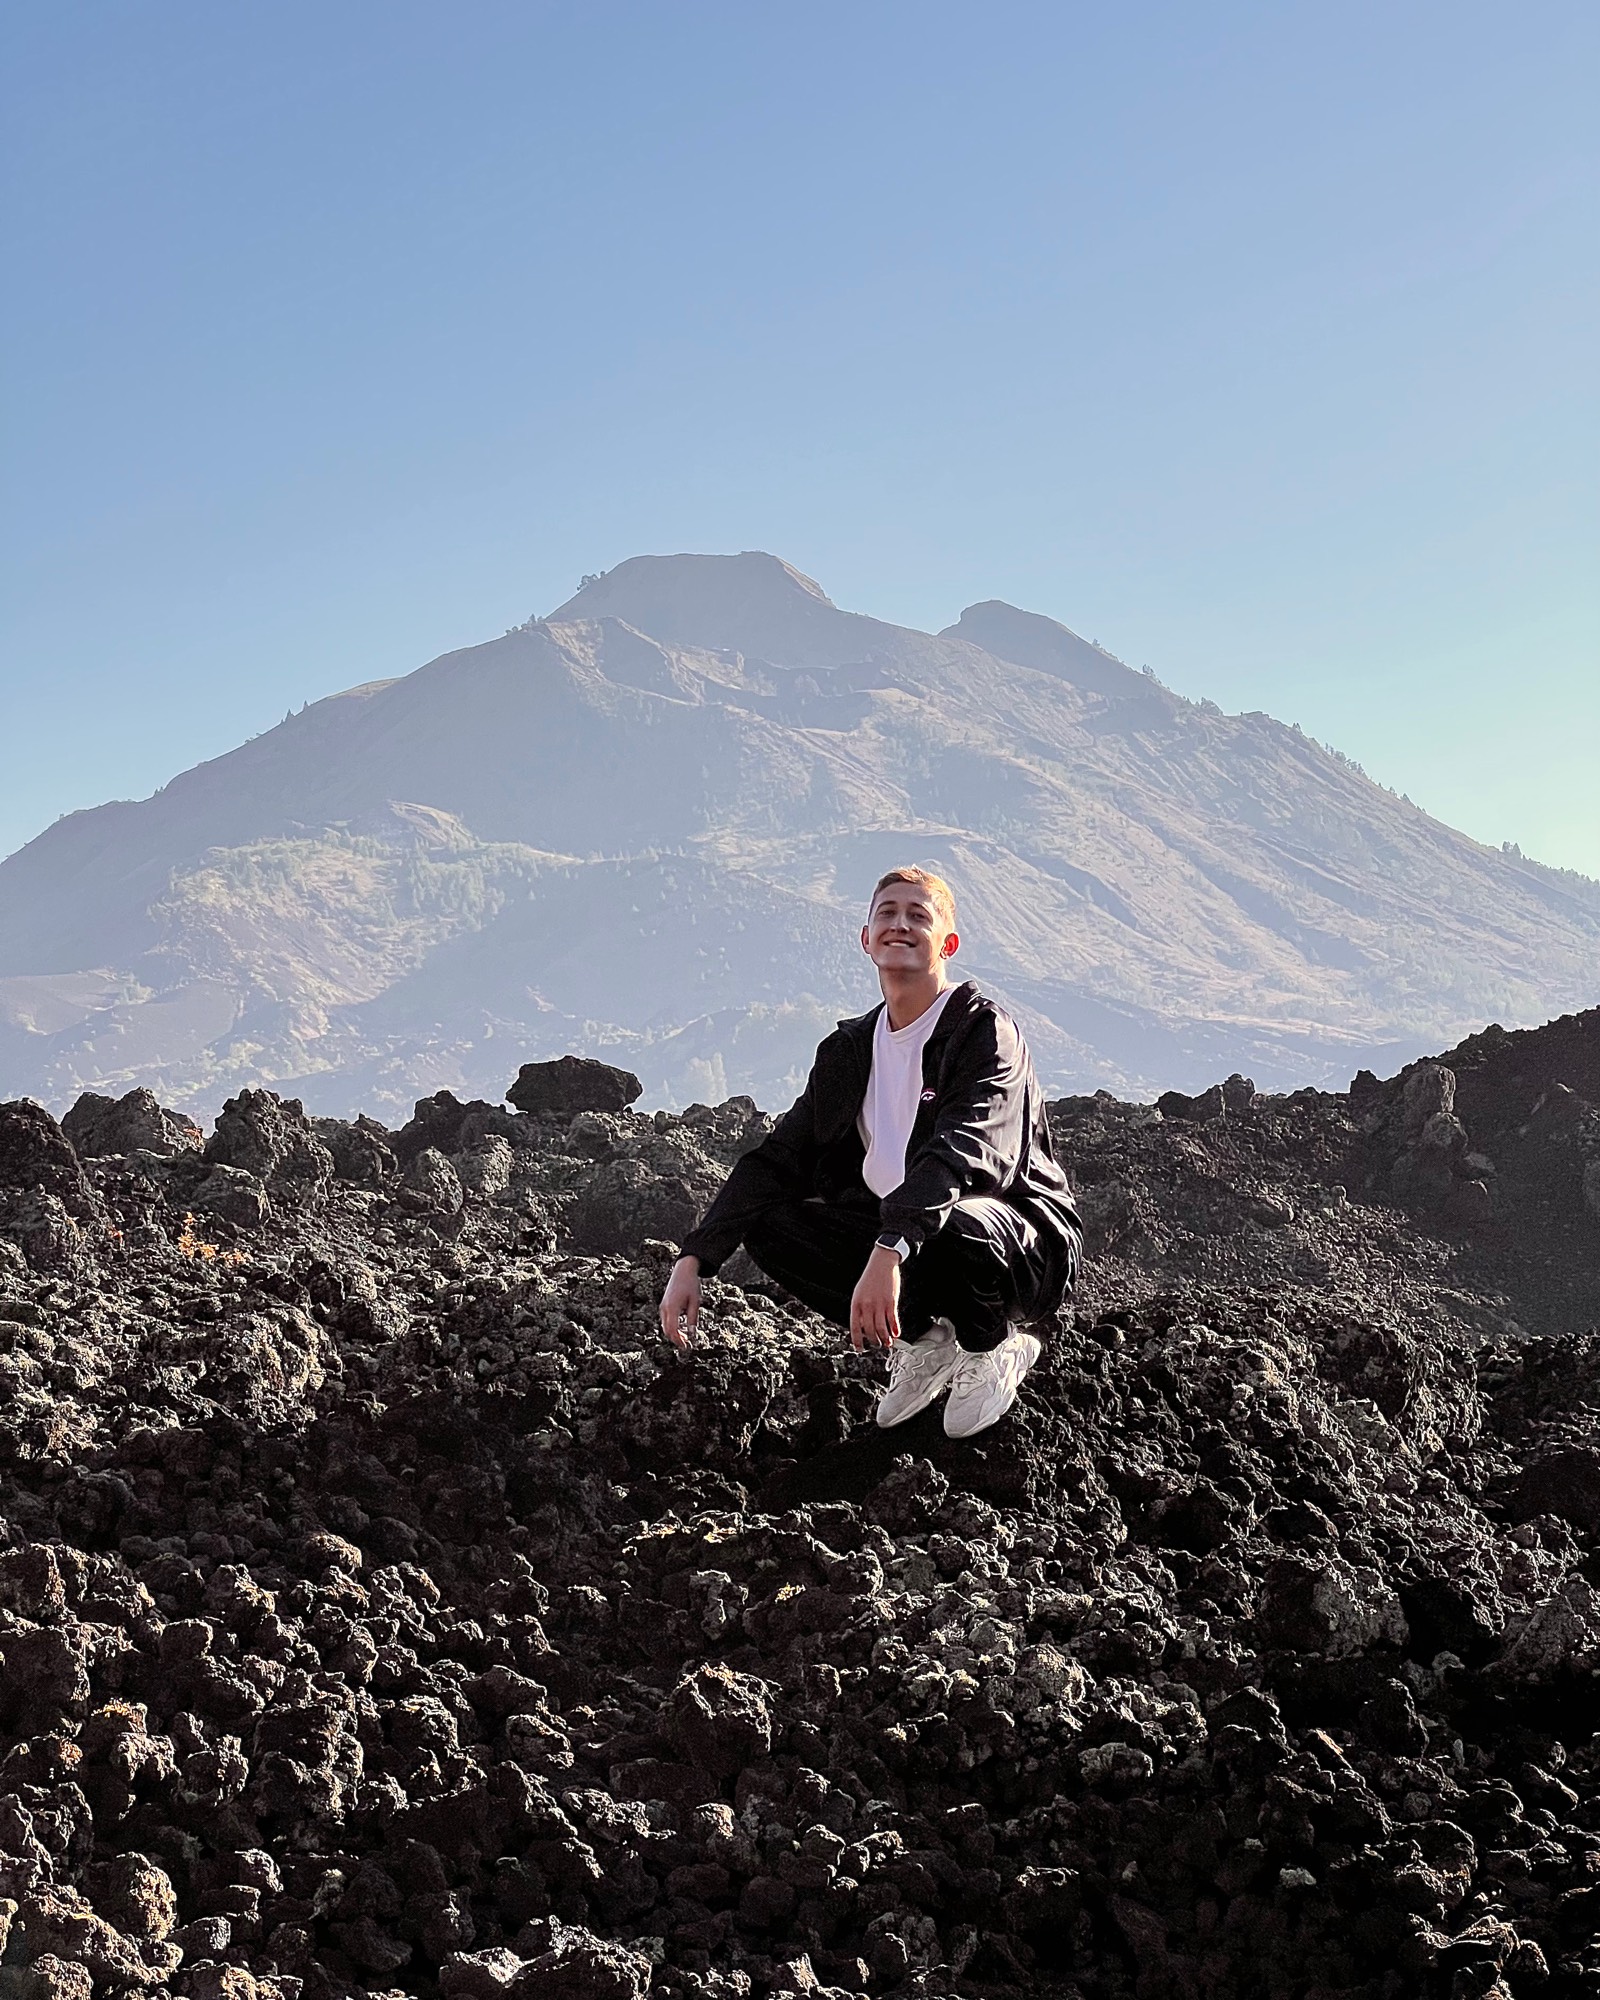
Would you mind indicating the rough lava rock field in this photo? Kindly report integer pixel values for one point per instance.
(385, 1609)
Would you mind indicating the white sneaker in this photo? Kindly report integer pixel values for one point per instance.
(918, 1373)
(984, 1386)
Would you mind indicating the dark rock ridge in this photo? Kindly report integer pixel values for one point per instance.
(136, 1123)
(573, 1083)
(385, 1610)
(644, 826)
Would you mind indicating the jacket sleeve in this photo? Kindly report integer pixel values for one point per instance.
(781, 1168)
(976, 1142)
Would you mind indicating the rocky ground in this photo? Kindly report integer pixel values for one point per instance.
(384, 1609)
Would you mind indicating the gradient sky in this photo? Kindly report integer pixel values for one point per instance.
(1257, 342)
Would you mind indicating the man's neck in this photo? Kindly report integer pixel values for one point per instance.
(908, 997)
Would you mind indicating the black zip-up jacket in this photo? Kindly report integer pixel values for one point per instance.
(980, 1130)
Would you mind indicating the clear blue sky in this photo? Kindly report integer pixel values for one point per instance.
(1257, 342)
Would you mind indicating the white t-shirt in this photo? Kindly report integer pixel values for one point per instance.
(894, 1092)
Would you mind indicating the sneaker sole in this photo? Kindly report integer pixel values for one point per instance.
(988, 1423)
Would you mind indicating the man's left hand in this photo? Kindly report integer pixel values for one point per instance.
(875, 1302)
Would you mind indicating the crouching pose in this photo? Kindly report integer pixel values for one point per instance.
(911, 1194)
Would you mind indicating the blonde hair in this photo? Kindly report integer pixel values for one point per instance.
(934, 887)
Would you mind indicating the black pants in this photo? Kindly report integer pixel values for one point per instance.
(989, 1264)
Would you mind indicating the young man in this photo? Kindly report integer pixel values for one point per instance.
(911, 1194)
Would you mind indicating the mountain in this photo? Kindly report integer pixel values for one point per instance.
(644, 827)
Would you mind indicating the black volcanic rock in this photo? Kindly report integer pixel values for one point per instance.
(1497, 1141)
(234, 1194)
(1564, 1481)
(362, 1151)
(134, 1123)
(36, 1156)
(270, 1137)
(618, 1204)
(430, 1182)
(571, 1084)
(45, 1200)
(385, 1609)
(444, 1123)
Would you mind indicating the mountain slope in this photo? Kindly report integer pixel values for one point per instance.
(646, 824)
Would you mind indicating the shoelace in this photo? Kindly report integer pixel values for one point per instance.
(927, 1356)
(909, 1357)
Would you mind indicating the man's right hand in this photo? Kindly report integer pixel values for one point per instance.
(680, 1302)
(875, 1302)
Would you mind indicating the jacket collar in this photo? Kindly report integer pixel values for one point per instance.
(859, 1027)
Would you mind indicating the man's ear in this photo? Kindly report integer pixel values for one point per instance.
(864, 945)
(951, 945)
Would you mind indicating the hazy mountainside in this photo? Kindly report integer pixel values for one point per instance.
(644, 826)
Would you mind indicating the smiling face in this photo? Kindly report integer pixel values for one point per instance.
(906, 932)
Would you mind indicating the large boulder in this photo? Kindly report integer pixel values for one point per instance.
(446, 1124)
(1561, 1639)
(263, 1367)
(430, 1183)
(485, 1169)
(104, 1127)
(581, 1966)
(1327, 1607)
(138, 1897)
(719, 1719)
(36, 1156)
(44, 1197)
(271, 1137)
(47, 1231)
(571, 1084)
(618, 1204)
(480, 1975)
(363, 1150)
(238, 1197)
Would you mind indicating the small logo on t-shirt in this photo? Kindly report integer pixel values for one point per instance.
(928, 1096)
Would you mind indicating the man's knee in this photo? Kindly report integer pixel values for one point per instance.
(992, 1246)
(982, 1227)
(964, 1252)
